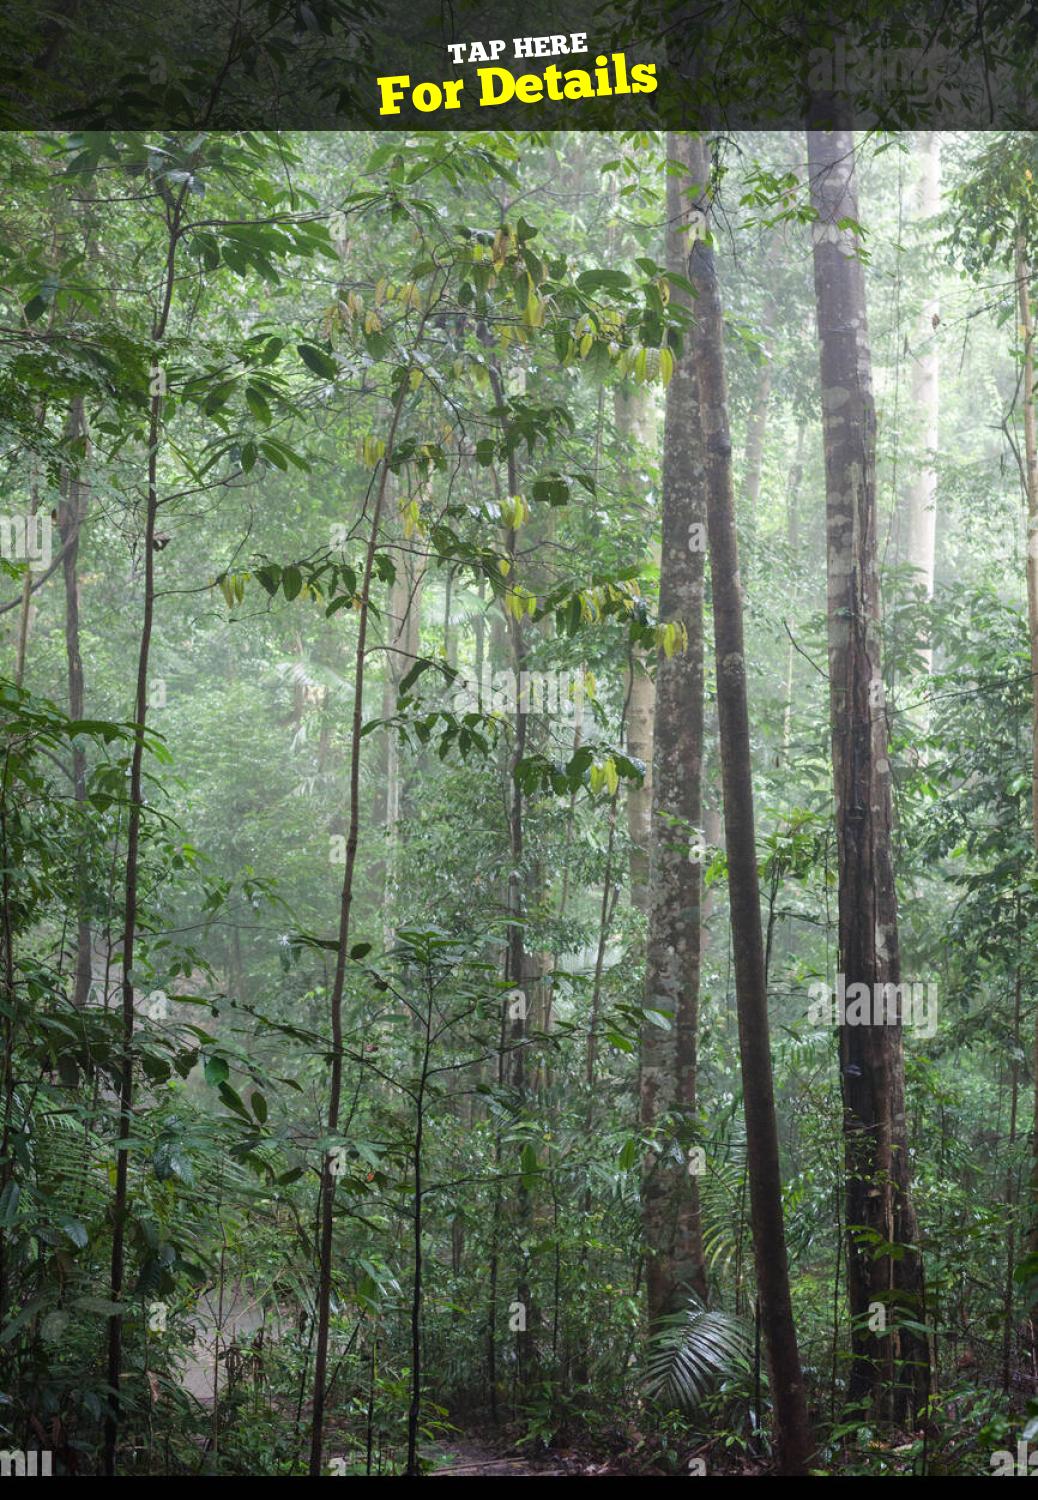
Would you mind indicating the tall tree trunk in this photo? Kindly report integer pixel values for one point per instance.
(921, 517)
(402, 639)
(635, 417)
(327, 1192)
(25, 606)
(796, 474)
(133, 835)
(878, 1200)
(71, 511)
(520, 969)
(670, 1200)
(1027, 395)
(793, 1442)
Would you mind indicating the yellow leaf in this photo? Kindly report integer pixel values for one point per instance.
(533, 317)
(411, 517)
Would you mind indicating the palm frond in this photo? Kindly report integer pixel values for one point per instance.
(690, 1351)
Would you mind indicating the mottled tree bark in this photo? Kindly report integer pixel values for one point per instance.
(670, 1205)
(878, 1200)
(792, 1439)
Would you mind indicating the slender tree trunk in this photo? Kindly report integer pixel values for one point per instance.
(921, 537)
(25, 605)
(520, 972)
(415, 1409)
(70, 520)
(796, 474)
(636, 429)
(670, 1204)
(793, 1441)
(878, 1198)
(1027, 396)
(1011, 1195)
(402, 639)
(327, 1215)
(133, 834)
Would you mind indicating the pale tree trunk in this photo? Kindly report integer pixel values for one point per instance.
(758, 423)
(25, 607)
(670, 1201)
(771, 316)
(1027, 395)
(792, 1439)
(635, 416)
(878, 1199)
(921, 511)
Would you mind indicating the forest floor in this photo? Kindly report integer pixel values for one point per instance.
(473, 1456)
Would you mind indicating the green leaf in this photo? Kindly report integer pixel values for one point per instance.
(76, 1231)
(529, 1166)
(597, 281)
(628, 1155)
(171, 1160)
(9, 1204)
(216, 1071)
(318, 361)
(233, 1101)
(257, 404)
